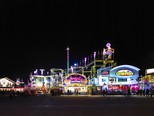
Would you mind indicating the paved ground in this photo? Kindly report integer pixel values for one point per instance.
(76, 106)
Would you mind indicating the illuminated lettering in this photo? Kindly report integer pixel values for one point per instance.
(75, 78)
(105, 73)
(124, 73)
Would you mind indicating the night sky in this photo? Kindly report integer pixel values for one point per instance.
(36, 34)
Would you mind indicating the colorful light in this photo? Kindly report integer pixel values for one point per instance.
(94, 54)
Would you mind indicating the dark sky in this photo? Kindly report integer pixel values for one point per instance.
(36, 34)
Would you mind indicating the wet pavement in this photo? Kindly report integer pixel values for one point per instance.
(95, 105)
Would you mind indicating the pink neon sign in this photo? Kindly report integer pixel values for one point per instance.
(75, 78)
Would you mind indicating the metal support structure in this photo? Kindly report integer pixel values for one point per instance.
(67, 60)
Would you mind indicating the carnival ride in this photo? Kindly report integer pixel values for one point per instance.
(55, 79)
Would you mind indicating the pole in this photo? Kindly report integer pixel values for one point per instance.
(85, 59)
(67, 60)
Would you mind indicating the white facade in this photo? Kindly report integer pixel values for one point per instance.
(6, 82)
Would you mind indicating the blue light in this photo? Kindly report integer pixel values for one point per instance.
(75, 64)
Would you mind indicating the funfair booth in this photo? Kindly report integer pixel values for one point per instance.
(102, 79)
(42, 80)
(103, 76)
(76, 84)
(147, 81)
(6, 84)
(123, 77)
(150, 74)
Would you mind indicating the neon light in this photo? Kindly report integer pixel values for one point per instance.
(149, 71)
(85, 59)
(105, 72)
(94, 54)
(108, 45)
(75, 78)
(42, 70)
(124, 73)
(126, 66)
(35, 72)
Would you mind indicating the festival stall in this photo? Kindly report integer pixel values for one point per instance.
(123, 77)
(76, 84)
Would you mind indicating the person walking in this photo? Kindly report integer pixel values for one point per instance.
(151, 91)
(147, 92)
(128, 92)
(68, 92)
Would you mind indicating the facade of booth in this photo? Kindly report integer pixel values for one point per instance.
(76, 84)
(102, 80)
(147, 81)
(122, 78)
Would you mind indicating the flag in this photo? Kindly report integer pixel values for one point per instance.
(80, 63)
(87, 59)
(98, 54)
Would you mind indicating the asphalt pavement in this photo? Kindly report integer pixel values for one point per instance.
(77, 105)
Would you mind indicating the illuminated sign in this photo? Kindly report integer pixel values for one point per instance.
(124, 73)
(75, 79)
(105, 72)
(149, 71)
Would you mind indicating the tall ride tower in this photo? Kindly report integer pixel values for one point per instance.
(68, 60)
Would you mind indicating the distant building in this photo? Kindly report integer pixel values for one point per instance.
(6, 84)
